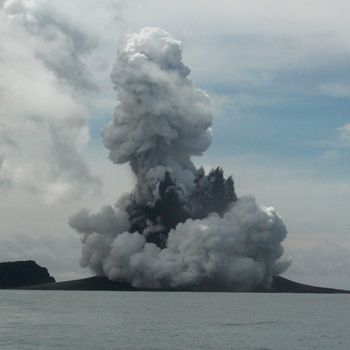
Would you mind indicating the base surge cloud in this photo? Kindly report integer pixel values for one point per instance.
(180, 227)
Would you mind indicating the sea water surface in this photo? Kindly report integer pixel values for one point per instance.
(146, 320)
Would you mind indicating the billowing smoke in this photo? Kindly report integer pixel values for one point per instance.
(180, 227)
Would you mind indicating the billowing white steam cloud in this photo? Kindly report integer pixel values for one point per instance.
(180, 228)
(161, 119)
(45, 77)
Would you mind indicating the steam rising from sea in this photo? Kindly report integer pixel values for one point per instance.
(180, 227)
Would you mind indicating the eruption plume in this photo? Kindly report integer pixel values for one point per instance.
(179, 227)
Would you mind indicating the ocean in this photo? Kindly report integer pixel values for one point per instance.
(172, 320)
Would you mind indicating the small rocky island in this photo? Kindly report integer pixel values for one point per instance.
(23, 273)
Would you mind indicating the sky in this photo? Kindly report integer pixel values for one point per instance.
(277, 73)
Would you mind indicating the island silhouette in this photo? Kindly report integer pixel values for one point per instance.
(28, 275)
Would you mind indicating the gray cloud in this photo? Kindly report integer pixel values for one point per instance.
(46, 63)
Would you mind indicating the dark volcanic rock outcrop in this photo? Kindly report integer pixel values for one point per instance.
(23, 273)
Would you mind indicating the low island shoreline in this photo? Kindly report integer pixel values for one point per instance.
(28, 275)
(99, 283)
